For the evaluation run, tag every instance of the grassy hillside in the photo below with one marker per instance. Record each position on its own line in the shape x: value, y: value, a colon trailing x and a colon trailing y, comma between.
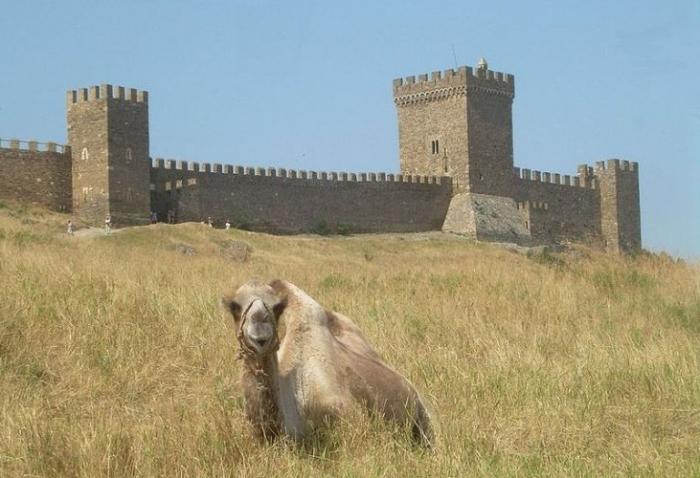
x: 115, y: 359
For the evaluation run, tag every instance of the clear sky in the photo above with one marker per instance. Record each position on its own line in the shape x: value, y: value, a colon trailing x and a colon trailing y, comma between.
x: 308, y: 84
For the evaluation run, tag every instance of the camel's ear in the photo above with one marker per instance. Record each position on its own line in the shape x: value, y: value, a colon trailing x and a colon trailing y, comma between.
x: 232, y: 307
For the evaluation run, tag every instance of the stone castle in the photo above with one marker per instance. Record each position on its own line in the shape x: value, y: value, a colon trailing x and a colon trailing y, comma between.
x: 457, y: 175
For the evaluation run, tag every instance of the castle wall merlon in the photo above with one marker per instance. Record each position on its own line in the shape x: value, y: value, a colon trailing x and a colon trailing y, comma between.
x: 106, y: 91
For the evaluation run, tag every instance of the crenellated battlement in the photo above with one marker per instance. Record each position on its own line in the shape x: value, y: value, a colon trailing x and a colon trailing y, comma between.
x: 616, y: 165
x: 105, y: 91
x: 32, y: 145
x: 449, y: 83
x: 284, y: 173
x: 580, y: 181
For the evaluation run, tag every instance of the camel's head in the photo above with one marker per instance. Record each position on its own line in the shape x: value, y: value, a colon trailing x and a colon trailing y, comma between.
x: 256, y: 308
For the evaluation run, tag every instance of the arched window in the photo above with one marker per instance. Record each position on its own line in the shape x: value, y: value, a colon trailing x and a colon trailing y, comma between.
x: 84, y: 154
x: 435, y: 146
x: 128, y: 155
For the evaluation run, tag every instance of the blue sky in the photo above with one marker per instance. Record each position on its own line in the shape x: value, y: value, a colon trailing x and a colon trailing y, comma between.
x: 308, y: 84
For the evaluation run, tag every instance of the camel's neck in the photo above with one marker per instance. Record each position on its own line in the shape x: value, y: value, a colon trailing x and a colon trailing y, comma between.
x: 259, y: 379
x: 272, y: 401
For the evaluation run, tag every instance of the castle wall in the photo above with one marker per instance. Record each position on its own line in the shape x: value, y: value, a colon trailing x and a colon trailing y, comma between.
x: 42, y: 178
x: 281, y: 201
x: 558, y: 208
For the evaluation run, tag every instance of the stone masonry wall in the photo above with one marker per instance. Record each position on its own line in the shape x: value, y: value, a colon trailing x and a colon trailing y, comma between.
x: 37, y: 177
x: 129, y: 161
x: 490, y: 131
x: 281, y: 201
x: 558, y: 208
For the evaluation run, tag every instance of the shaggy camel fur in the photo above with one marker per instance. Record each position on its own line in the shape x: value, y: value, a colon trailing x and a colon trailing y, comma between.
x: 314, y: 370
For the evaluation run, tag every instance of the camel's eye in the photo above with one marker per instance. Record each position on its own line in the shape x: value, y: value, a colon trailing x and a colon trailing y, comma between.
x: 234, y: 308
x: 278, y: 308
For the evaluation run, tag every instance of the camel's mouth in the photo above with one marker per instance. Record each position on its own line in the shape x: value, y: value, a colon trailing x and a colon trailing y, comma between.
x: 258, y: 329
x: 261, y: 343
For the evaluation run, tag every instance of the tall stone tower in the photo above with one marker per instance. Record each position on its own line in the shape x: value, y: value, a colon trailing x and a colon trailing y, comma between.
x: 619, y: 205
x: 460, y: 124
x: 108, y: 134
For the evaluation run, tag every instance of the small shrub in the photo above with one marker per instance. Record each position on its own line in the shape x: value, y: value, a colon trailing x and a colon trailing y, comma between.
x: 545, y: 258
x: 240, y: 222
x: 343, y: 230
x: 321, y: 228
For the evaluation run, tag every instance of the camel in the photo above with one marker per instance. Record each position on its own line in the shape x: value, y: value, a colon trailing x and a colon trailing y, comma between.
x: 304, y: 366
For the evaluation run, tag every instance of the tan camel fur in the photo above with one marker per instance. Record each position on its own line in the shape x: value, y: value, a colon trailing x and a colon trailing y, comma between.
x: 304, y: 365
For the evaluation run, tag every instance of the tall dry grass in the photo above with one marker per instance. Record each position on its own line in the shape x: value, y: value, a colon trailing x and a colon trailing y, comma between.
x: 116, y: 361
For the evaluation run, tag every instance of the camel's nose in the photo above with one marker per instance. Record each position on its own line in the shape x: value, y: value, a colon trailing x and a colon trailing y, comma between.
x: 260, y: 341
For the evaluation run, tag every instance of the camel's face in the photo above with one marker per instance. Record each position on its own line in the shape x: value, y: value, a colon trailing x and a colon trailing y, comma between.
x: 259, y: 327
x: 255, y: 309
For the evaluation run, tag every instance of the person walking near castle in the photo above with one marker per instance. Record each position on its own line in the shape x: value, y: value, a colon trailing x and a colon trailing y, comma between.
x: 228, y: 224
x: 69, y: 228
x: 108, y: 224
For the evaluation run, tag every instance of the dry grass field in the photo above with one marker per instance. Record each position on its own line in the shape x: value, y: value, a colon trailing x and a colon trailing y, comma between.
x: 115, y: 359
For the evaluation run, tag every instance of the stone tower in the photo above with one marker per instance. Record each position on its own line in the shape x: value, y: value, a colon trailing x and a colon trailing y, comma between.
x: 460, y: 124
x: 620, y: 222
x: 108, y: 134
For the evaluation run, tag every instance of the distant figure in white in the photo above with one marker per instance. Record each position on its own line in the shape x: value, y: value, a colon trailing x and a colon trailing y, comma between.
x: 228, y: 225
x: 108, y: 224
x: 305, y: 366
x: 69, y: 228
